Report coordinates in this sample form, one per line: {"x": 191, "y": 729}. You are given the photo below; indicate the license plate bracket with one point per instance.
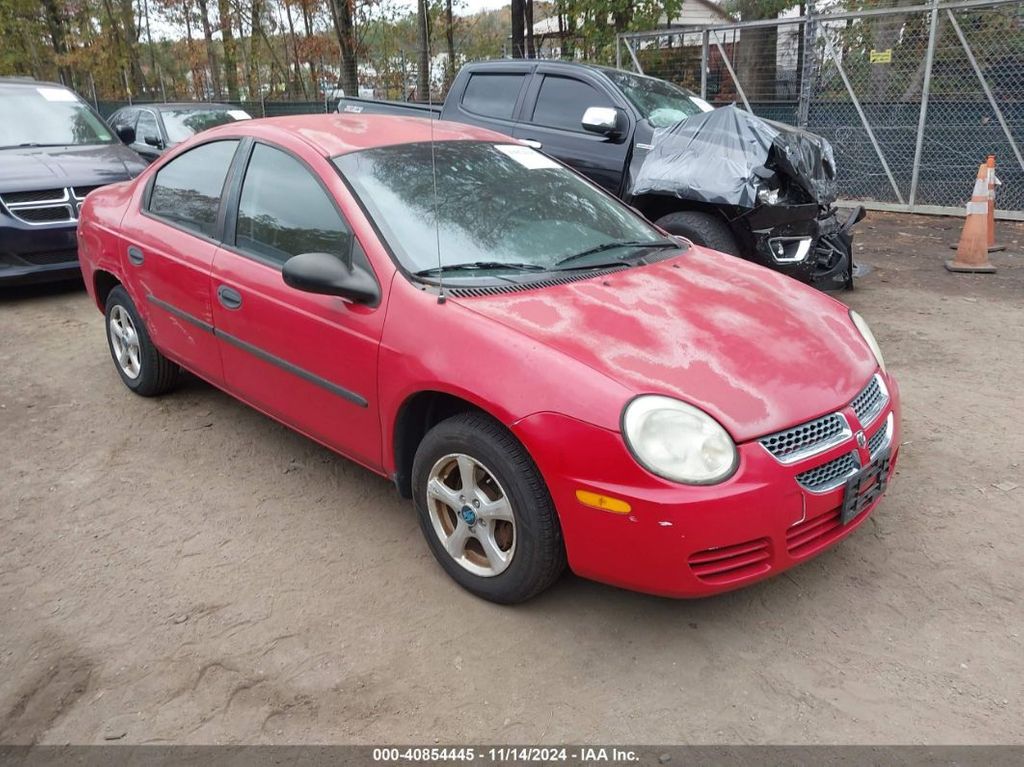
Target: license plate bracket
{"x": 854, "y": 500}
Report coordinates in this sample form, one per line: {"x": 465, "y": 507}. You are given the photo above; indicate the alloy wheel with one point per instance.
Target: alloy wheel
{"x": 471, "y": 515}
{"x": 124, "y": 340}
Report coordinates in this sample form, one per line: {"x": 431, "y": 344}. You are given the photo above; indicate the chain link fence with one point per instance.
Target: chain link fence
{"x": 254, "y": 108}
{"x": 913, "y": 96}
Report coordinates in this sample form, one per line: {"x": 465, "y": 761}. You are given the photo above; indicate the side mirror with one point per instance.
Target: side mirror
{"x": 608, "y": 121}
{"x": 126, "y": 133}
{"x": 327, "y": 274}
{"x": 153, "y": 141}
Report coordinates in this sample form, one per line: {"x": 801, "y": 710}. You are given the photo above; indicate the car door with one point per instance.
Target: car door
{"x": 148, "y": 139}
{"x": 169, "y": 245}
{"x": 309, "y": 360}
{"x": 552, "y": 117}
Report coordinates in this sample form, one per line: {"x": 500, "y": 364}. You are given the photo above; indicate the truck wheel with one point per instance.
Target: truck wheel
{"x": 485, "y": 510}
{"x": 141, "y": 366}
{"x": 701, "y": 229}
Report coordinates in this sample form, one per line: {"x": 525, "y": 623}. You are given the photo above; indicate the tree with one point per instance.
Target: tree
{"x": 755, "y": 58}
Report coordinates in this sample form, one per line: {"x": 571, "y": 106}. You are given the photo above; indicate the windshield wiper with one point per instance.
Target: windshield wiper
{"x": 634, "y": 244}
{"x": 473, "y": 266}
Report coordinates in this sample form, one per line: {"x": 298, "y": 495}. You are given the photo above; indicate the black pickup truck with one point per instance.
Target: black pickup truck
{"x": 722, "y": 178}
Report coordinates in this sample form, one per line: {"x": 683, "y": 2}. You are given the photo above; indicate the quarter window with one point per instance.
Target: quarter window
{"x": 493, "y": 95}
{"x": 563, "y": 100}
{"x": 283, "y": 211}
{"x": 187, "y": 190}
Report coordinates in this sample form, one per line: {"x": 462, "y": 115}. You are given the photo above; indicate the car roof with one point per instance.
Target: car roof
{"x": 336, "y": 134}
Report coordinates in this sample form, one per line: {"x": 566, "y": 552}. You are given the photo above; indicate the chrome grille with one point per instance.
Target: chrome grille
{"x": 47, "y": 206}
{"x": 81, "y": 191}
{"x": 808, "y": 438}
{"x": 40, "y": 195}
{"x": 869, "y": 403}
{"x": 830, "y": 475}
{"x": 51, "y": 214}
{"x": 881, "y": 438}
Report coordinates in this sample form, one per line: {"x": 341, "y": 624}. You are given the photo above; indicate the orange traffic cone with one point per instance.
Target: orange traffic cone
{"x": 992, "y": 182}
{"x": 972, "y": 252}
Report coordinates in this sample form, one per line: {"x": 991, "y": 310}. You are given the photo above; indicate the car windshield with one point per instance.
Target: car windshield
{"x": 662, "y": 103}
{"x": 48, "y": 115}
{"x": 499, "y": 208}
{"x": 185, "y": 123}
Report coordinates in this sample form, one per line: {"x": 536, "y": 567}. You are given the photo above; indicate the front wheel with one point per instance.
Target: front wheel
{"x": 701, "y": 229}
{"x": 485, "y": 510}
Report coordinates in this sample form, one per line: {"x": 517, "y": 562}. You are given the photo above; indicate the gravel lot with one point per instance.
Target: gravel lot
{"x": 187, "y": 570}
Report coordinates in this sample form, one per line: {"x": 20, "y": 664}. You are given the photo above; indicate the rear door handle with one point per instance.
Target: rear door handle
{"x": 229, "y": 297}
{"x": 135, "y": 256}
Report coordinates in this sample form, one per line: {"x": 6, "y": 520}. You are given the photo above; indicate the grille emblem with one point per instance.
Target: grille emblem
{"x": 862, "y": 441}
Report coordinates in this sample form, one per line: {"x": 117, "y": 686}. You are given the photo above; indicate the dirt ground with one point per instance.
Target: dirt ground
{"x": 187, "y": 570}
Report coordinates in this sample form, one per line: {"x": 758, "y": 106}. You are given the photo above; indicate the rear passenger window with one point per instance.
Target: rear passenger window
{"x": 283, "y": 210}
{"x": 493, "y": 95}
{"x": 187, "y": 190}
{"x": 563, "y": 100}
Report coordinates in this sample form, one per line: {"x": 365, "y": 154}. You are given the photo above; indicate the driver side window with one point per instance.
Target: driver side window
{"x": 283, "y": 211}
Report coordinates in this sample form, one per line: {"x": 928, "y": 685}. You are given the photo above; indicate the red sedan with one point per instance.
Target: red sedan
{"x": 549, "y": 377}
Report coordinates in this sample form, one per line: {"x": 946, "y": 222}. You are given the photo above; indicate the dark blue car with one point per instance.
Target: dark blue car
{"x": 54, "y": 150}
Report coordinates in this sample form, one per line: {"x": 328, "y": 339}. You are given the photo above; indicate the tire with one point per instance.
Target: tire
{"x": 147, "y": 372}
{"x": 701, "y": 229}
{"x": 502, "y": 469}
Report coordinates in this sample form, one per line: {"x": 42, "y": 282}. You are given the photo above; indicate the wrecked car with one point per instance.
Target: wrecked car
{"x": 722, "y": 178}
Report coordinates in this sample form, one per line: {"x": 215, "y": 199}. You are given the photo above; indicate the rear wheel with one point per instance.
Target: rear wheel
{"x": 701, "y": 229}
{"x": 485, "y": 510}
{"x": 142, "y": 368}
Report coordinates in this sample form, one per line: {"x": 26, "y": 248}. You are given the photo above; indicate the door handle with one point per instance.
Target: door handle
{"x": 229, "y": 297}
{"x": 135, "y": 255}
{"x": 532, "y": 143}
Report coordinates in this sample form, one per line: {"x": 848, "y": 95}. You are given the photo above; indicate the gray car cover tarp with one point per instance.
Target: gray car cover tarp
{"x": 711, "y": 157}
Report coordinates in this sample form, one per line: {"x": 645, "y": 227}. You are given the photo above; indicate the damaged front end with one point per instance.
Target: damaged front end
{"x": 775, "y": 185}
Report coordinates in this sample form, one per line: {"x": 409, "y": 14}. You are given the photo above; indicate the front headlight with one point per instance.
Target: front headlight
{"x": 677, "y": 441}
{"x": 869, "y": 337}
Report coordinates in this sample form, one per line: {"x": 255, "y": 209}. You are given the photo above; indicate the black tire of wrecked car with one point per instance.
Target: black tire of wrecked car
{"x": 702, "y": 229}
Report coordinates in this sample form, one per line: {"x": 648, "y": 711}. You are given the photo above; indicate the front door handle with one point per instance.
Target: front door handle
{"x": 532, "y": 143}
{"x": 135, "y": 256}
{"x": 229, "y": 297}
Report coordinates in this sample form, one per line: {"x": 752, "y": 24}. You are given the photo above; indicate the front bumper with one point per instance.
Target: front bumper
{"x": 798, "y": 241}
{"x": 689, "y": 541}
{"x": 36, "y": 253}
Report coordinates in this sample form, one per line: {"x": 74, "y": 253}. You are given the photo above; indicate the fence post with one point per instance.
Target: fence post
{"x": 632, "y": 55}
{"x": 618, "y": 51}
{"x": 929, "y": 57}
{"x": 807, "y": 67}
{"x": 704, "y": 41}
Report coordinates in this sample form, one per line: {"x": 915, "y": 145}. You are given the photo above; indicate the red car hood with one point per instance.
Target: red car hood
{"x": 757, "y": 350}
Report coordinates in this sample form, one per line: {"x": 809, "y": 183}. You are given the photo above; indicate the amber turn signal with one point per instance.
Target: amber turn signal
{"x": 602, "y": 502}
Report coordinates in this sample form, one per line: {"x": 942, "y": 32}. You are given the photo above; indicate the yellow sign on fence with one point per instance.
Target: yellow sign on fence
{"x": 881, "y": 57}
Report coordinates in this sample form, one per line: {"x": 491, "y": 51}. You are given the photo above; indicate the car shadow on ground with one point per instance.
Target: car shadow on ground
{"x": 10, "y": 294}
